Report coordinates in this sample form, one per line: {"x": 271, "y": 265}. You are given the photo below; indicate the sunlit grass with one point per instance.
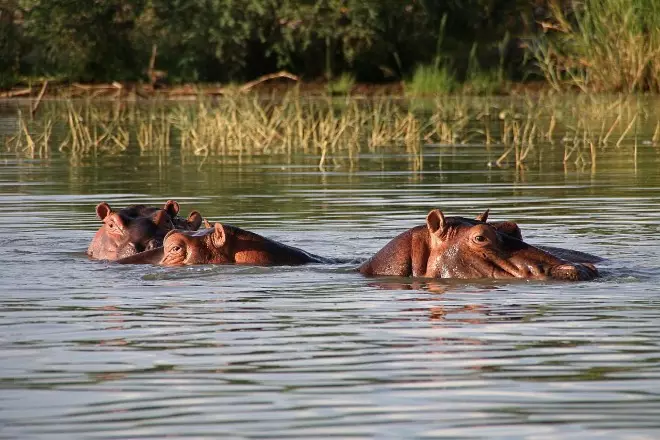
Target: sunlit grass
{"x": 245, "y": 126}
{"x": 431, "y": 80}
{"x": 601, "y": 45}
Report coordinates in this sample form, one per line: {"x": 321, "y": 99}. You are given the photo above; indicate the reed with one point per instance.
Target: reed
{"x": 243, "y": 126}
{"x": 601, "y": 45}
{"x": 432, "y": 80}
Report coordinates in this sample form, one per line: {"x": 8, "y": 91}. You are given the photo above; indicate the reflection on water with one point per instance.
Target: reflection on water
{"x": 93, "y": 349}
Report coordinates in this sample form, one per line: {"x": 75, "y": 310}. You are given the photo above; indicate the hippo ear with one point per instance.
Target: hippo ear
{"x": 435, "y": 221}
{"x": 103, "y": 210}
{"x": 194, "y": 220}
{"x": 161, "y": 218}
{"x": 218, "y": 237}
{"x": 171, "y": 207}
{"x": 509, "y": 228}
{"x": 483, "y": 217}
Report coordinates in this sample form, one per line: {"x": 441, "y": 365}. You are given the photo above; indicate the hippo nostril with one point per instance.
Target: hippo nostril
{"x": 153, "y": 244}
{"x": 574, "y": 272}
{"x": 567, "y": 267}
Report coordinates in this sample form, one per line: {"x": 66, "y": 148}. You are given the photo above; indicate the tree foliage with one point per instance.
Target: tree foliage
{"x": 236, "y": 40}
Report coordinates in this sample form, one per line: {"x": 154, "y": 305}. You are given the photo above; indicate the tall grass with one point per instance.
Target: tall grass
{"x": 244, "y": 126}
{"x": 341, "y": 85}
{"x": 483, "y": 82}
{"x": 432, "y": 80}
{"x": 601, "y": 45}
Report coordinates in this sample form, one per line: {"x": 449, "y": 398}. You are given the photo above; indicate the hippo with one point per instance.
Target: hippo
{"x": 512, "y": 229}
{"x": 458, "y": 247}
{"x": 136, "y": 228}
{"x": 222, "y": 244}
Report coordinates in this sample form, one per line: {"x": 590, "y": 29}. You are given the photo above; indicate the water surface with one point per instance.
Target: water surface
{"x": 95, "y": 350}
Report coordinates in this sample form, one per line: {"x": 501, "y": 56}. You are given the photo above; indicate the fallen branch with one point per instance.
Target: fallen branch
{"x": 12, "y": 93}
{"x": 247, "y": 86}
{"x": 115, "y": 85}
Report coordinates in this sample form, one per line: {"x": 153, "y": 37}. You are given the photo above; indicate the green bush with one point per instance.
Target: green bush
{"x": 341, "y": 85}
{"x": 432, "y": 80}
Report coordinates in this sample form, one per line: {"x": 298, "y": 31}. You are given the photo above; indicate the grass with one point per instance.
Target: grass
{"x": 244, "y": 126}
{"x": 601, "y": 45}
{"x": 483, "y": 83}
{"x": 342, "y": 85}
{"x": 431, "y": 80}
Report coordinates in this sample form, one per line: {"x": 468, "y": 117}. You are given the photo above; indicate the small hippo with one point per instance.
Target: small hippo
{"x": 222, "y": 244}
{"x": 458, "y": 247}
{"x": 136, "y": 228}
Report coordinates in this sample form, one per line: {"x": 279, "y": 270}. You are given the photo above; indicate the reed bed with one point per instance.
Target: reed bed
{"x": 327, "y": 128}
{"x": 600, "y": 45}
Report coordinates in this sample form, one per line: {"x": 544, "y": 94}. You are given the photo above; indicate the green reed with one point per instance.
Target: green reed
{"x": 242, "y": 126}
{"x": 601, "y": 45}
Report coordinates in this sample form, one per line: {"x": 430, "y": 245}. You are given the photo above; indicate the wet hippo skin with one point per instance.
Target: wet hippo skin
{"x": 458, "y": 247}
{"x": 222, "y": 244}
{"x": 136, "y": 228}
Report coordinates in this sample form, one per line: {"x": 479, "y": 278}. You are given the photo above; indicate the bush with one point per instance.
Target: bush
{"x": 431, "y": 80}
{"x": 341, "y": 85}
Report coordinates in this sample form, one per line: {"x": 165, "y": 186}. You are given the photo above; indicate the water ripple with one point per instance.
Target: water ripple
{"x": 98, "y": 350}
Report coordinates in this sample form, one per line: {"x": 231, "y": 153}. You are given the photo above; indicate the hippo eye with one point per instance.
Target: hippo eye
{"x": 480, "y": 238}
{"x": 176, "y": 248}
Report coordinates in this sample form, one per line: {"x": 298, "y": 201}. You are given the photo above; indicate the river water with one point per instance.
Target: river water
{"x": 91, "y": 349}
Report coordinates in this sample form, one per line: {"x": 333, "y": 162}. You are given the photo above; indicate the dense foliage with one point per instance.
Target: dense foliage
{"x": 237, "y": 40}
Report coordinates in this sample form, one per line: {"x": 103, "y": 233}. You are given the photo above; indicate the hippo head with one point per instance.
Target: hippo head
{"x": 136, "y": 228}
{"x": 207, "y": 246}
{"x": 466, "y": 248}
{"x": 199, "y": 247}
{"x": 508, "y": 228}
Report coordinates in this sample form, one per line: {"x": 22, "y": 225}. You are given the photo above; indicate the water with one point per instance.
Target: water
{"x": 95, "y": 350}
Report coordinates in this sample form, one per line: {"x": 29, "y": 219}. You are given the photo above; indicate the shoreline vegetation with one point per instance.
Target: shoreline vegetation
{"x": 411, "y": 47}
{"x": 328, "y": 128}
{"x": 329, "y": 78}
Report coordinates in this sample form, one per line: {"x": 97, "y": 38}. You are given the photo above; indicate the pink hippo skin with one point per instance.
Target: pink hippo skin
{"x": 136, "y": 228}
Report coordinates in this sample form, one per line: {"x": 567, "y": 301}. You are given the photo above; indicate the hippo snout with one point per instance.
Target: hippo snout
{"x": 135, "y": 248}
{"x": 574, "y": 272}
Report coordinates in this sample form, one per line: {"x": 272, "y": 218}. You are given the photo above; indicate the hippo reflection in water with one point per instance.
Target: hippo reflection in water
{"x": 136, "y": 228}
{"x": 223, "y": 244}
{"x": 458, "y": 247}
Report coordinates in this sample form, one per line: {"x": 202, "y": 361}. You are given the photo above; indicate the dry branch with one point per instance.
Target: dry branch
{"x": 33, "y": 111}
{"x": 13, "y": 93}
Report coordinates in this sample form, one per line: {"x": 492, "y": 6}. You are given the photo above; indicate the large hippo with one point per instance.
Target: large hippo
{"x": 222, "y": 244}
{"x": 512, "y": 229}
{"x": 458, "y": 247}
{"x": 136, "y": 228}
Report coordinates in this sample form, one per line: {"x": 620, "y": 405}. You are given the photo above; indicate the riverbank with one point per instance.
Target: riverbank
{"x": 279, "y": 83}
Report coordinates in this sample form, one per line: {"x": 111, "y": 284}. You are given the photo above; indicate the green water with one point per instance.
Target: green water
{"x": 95, "y": 350}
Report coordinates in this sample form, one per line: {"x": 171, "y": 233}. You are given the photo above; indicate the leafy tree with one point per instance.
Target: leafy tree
{"x": 84, "y": 39}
